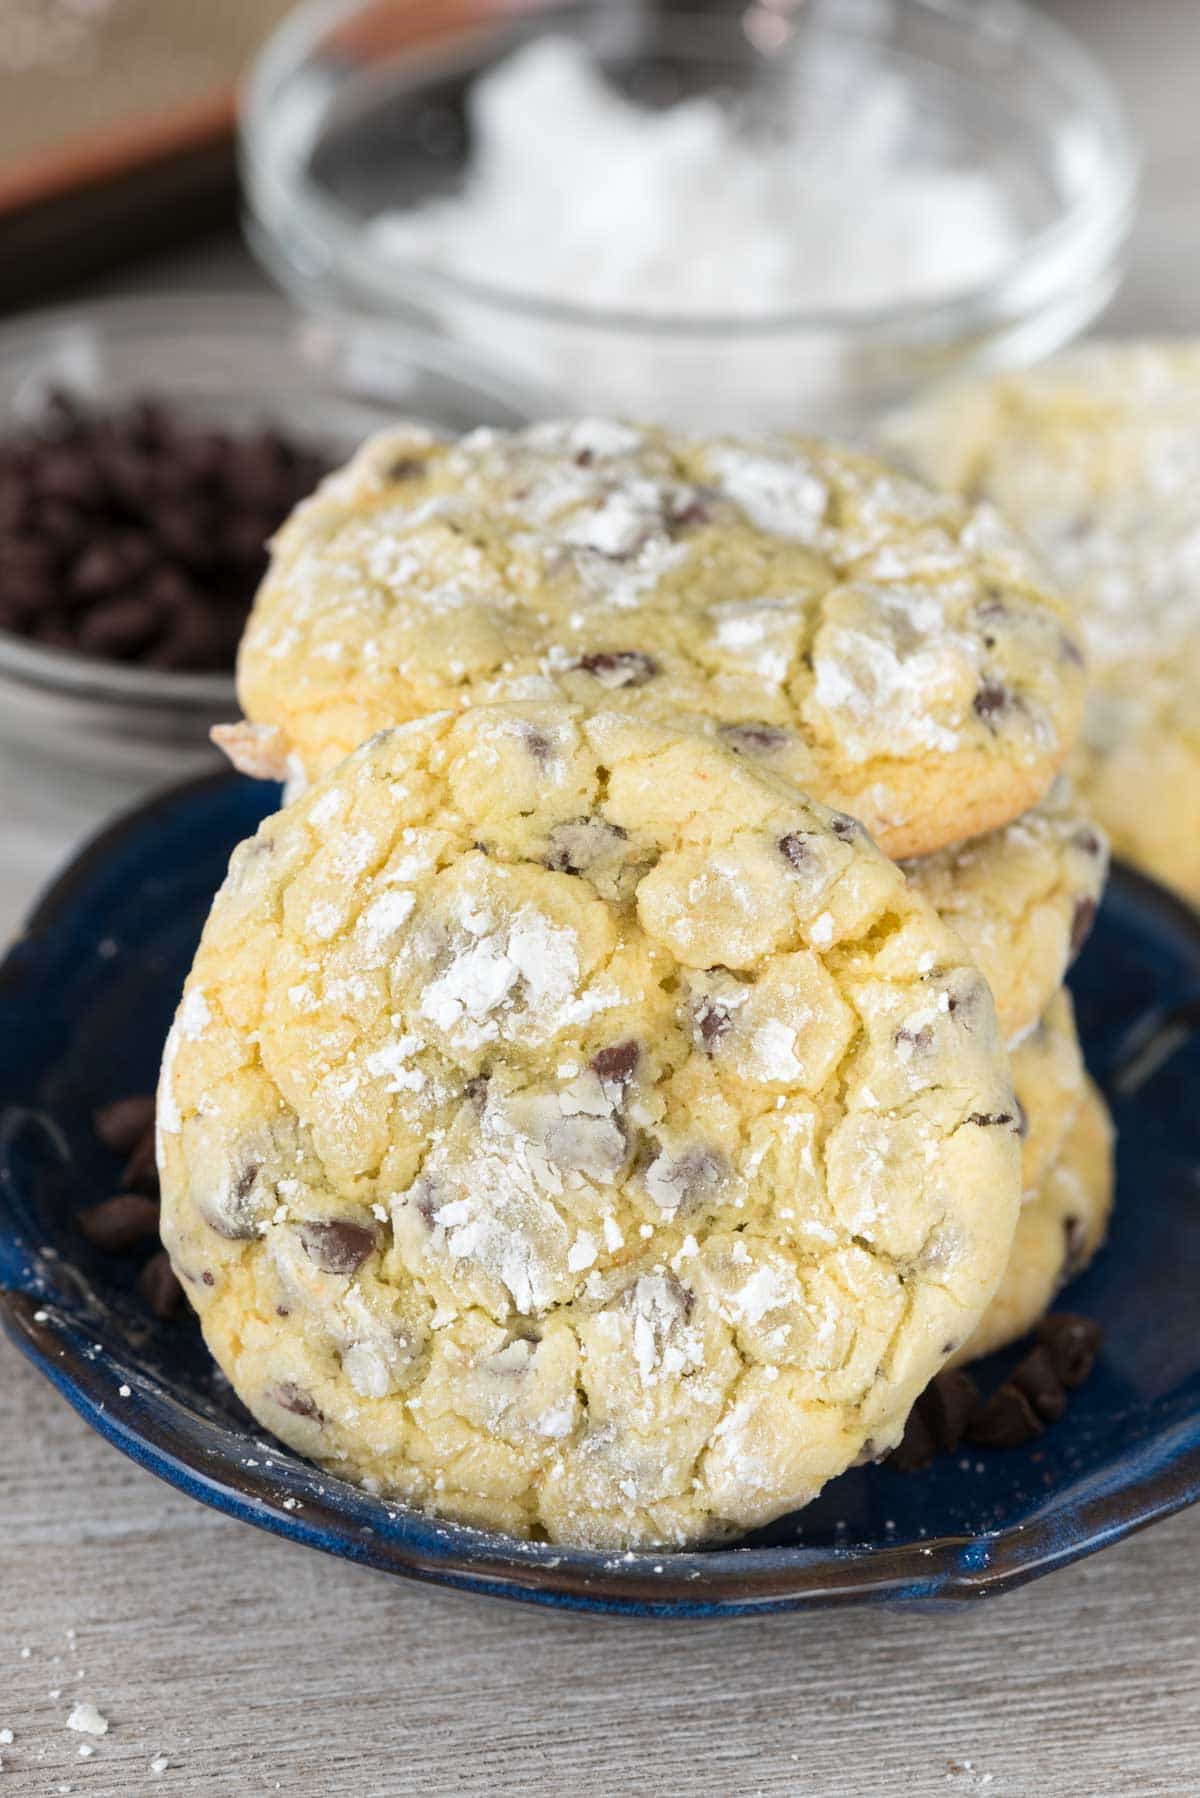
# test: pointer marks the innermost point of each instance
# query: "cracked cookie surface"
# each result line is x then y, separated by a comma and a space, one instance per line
1023, 898
569, 1127
892, 651
1095, 458
1059, 1232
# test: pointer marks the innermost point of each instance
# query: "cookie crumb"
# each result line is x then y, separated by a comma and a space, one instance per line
86, 1718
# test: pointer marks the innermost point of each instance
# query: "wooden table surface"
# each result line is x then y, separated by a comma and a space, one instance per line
255, 1666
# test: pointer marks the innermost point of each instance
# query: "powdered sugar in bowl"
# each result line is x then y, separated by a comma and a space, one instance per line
754, 215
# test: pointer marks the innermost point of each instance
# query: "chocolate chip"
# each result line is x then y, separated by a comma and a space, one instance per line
244, 1182
1036, 1377
578, 844
290, 1397
619, 1062
991, 701
475, 1091
619, 667
132, 535
712, 1021
847, 828
937, 1422
123, 1122
406, 468
119, 1224
995, 1120
338, 1247
1006, 1420
752, 738
1082, 919
538, 744
1087, 840
796, 848
684, 1182
159, 1287
140, 1173
1072, 1343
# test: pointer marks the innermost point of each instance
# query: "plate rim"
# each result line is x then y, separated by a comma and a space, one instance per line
939, 1570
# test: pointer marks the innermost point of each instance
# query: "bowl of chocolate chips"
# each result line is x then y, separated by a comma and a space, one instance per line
148, 450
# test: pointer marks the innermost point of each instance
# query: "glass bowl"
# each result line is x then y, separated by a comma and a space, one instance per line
236, 363
356, 108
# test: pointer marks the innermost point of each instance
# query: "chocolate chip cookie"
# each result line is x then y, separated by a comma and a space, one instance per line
1058, 1232
571, 1128
895, 653
1095, 458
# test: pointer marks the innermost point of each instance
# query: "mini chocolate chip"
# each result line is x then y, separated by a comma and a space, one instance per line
619, 667
712, 1022
578, 844
208, 1278
994, 1120
1035, 1376
1006, 1420
992, 699
1087, 840
538, 744
1073, 1343
244, 1183
752, 738
140, 1173
847, 828
337, 1246
123, 1122
917, 1447
796, 849
1081, 923
119, 1224
159, 1287
618, 1062
696, 509
290, 1397
937, 1421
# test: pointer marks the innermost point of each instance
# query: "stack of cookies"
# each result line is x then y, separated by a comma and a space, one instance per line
591, 1112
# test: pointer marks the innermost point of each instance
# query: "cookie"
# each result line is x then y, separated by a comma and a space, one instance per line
1023, 899
1095, 458
893, 652
1048, 1079
1058, 1233
571, 1128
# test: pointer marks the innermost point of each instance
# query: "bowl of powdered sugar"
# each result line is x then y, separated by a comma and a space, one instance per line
769, 214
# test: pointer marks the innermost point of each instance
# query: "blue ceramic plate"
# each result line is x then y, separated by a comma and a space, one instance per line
85, 1000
